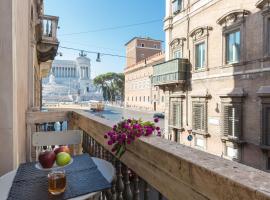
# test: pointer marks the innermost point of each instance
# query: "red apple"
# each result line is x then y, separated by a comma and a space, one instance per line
61, 149
46, 159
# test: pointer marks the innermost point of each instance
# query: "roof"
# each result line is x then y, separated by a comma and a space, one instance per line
142, 38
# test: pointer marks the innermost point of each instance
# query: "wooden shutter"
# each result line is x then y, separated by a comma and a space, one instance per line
232, 114
176, 114
198, 117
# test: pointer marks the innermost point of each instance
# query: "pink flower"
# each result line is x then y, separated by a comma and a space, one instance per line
156, 120
105, 136
110, 142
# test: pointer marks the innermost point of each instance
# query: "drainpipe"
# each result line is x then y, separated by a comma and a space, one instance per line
188, 48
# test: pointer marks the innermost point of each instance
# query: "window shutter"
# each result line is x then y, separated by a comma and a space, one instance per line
232, 120
198, 117
176, 116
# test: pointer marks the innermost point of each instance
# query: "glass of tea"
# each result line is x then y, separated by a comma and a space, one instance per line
57, 181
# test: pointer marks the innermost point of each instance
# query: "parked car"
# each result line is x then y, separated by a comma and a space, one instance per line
159, 115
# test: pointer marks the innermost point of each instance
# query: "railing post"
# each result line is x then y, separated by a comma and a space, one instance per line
127, 191
113, 190
136, 187
146, 191
119, 181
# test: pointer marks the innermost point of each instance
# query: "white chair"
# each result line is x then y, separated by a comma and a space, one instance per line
72, 138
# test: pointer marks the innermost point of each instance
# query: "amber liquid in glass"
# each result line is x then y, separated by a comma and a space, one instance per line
57, 182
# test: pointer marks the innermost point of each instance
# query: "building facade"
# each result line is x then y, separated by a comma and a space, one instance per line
139, 91
216, 77
28, 46
70, 80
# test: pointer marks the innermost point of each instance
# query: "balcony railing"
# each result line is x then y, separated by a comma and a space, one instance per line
155, 168
48, 43
49, 27
170, 72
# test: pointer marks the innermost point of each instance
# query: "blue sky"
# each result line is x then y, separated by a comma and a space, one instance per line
88, 15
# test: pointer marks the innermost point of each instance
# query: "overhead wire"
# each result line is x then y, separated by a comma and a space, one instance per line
112, 28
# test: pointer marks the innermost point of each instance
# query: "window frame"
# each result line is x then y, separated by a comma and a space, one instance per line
202, 131
233, 146
179, 102
196, 54
200, 138
264, 137
226, 35
237, 26
266, 32
232, 104
180, 4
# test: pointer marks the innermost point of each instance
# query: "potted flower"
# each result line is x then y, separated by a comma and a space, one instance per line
127, 131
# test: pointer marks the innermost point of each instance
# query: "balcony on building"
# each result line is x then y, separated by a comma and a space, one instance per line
153, 167
171, 72
48, 43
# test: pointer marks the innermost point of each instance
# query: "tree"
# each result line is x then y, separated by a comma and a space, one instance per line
111, 84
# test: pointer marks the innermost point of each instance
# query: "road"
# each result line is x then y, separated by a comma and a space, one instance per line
116, 114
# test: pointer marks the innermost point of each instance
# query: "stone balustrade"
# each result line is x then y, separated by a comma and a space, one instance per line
155, 168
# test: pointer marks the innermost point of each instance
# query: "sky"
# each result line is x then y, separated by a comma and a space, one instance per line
91, 16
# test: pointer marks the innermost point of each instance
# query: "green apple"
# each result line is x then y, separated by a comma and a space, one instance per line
62, 158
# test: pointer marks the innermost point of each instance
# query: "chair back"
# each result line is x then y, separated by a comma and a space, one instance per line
48, 140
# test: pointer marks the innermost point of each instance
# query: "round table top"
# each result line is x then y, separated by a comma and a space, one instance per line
106, 169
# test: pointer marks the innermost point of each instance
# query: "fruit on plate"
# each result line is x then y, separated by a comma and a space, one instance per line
62, 149
46, 159
62, 158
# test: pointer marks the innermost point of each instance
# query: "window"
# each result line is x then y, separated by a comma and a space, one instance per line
177, 54
199, 142
155, 46
268, 163
136, 98
266, 124
177, 6
176, 115
232, 120
200, 56
142, 44
162, 99
233, 47
132, 99
144, 99
198, 117
231, 152
140, 99
148, 98
268, 36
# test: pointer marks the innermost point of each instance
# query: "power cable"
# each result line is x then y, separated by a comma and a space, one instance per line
113, 28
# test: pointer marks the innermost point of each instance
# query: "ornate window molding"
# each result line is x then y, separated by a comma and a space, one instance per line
177, 44
199, 36
232, 22
264, 5
233, 17
200, 32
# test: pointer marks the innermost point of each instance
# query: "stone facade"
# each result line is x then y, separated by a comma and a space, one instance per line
138, 49
223, 103
139, 91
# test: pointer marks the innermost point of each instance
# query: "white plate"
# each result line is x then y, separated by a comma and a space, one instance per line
55, 166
